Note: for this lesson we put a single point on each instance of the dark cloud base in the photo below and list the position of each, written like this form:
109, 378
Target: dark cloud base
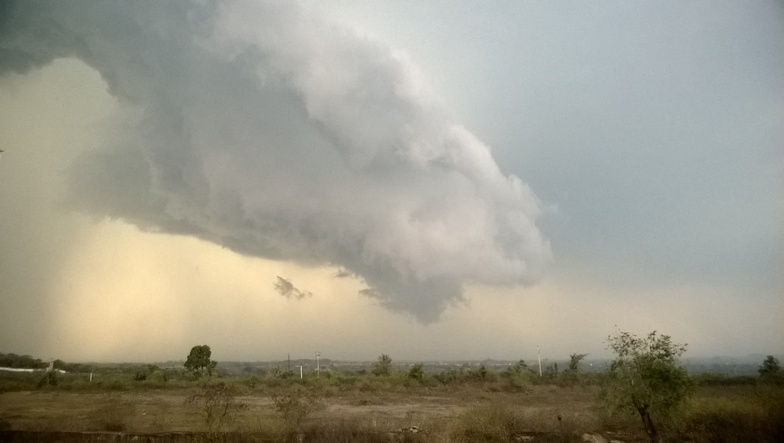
264, 129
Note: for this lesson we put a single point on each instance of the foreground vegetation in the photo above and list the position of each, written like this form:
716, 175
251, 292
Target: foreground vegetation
385, 403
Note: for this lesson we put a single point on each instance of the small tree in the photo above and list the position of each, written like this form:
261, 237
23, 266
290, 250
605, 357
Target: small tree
574, 362
383, 367
770, 367
644, 379
198, 361
571, 375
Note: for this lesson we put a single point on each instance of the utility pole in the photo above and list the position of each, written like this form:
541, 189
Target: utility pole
318, 368
539, 357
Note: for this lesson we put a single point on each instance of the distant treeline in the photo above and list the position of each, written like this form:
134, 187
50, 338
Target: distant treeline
15, 361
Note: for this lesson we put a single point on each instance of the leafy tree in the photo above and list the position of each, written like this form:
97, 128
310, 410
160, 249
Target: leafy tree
645, 379
769, 367
383, 367
198, 361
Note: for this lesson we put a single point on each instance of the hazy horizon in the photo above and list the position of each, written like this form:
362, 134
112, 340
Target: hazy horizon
433, 181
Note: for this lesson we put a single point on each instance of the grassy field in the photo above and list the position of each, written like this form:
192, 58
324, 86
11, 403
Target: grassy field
462, 406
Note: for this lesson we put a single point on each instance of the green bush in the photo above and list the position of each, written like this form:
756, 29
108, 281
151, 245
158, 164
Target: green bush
417, 372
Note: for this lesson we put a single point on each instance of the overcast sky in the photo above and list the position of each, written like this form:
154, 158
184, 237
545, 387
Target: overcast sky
430, 180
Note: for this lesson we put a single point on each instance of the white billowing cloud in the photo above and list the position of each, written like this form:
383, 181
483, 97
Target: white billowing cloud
262, 128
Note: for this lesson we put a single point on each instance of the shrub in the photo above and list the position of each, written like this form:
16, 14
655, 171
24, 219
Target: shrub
217, 402
417, 372
447, 377
645, 380
383, 367
517, 377
294, 404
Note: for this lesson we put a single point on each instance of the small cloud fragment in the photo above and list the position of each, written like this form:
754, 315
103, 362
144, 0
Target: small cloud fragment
343, 273
287, 289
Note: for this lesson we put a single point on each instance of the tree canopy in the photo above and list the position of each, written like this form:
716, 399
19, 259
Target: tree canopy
198, 361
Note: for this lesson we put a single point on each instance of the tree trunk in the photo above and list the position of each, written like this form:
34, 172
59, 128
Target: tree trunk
650, 428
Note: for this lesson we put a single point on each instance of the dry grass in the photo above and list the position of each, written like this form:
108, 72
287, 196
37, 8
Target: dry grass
736, 414
457, 413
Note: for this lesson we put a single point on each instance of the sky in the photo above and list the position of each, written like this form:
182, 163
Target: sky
429, 180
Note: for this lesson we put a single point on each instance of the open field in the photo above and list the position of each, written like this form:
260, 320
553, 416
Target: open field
368, 408
435, 413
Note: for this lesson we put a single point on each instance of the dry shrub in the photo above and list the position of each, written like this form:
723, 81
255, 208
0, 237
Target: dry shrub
217, 403
296, 403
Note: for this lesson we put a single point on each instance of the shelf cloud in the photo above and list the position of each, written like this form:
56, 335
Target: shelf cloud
263, 128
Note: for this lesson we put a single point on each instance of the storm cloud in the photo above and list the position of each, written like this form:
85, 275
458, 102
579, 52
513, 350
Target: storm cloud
260, 127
